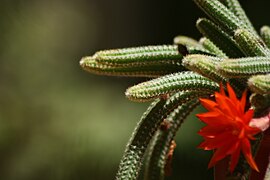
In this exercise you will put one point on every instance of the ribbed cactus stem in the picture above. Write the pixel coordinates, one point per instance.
(265, 34)
(168, 84)
(244, 67)
(260, 84)
(250, 44)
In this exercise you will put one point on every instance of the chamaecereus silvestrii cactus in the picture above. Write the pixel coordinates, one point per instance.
(227, 71)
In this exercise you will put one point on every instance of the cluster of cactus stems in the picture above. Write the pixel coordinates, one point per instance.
(230, 51)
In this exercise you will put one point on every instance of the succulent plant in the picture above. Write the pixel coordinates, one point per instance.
(230, 51)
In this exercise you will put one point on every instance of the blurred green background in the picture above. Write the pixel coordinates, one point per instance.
(58, 122)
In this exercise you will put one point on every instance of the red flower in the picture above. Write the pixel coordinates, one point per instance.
(227, 130)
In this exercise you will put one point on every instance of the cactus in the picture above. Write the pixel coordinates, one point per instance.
(230, 51)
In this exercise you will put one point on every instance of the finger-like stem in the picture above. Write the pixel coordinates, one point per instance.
(139, 54)
(190, 46)
(210, 46)
(244, 67)
(143, 69)
(250, 44)
(207, 66)
(220, 14)
(265, 34)
(170, 83)
(160, 154)
(131, 162)
(219, 38)
(187, 41)
(236, 8)
(260, 84)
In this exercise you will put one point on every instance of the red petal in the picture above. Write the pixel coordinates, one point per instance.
(210, 131)
(231, 93)
(212, 120)
(204, 146)
(211, 114)
(219, 154)
(225, 105)
(227, 129)
(248, 116)
(246, 149)
(208, 104)
(251, 131)
(243, 101)
(218, 141)
(235, 158)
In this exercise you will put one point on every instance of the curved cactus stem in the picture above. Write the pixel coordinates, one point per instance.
(168, 84)
(231, 51)
(220, 38)
(132, 159)
(131, 162)
(155, 166)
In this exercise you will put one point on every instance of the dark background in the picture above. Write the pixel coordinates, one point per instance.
(58, 122)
